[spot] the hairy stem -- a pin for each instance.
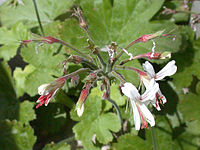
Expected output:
(73, 48)
(75, 73)
(118, 76)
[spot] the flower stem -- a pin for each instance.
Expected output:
(154, 138)
(38, 17)
(67, 140)
(118, 76)
(75, 73)
(75, 49)
(103, 64)
(118, 112)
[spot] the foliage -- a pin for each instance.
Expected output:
(24, 127)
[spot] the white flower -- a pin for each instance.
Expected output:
(168, 70)
(42, 89)
(138, 103)
(48, 91)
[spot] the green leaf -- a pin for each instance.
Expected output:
(94, 122)
(26, 112)
(48, 11)
(10, 39)
(59, 146)
(16, 135)
(186, 69)
(19, 76)
(130, 142)
(45, 65)
(188, 103)
(116, 96)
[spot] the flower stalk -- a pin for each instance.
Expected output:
(38, 17)
(154, 138)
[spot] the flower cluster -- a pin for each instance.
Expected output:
(152, 94)
(98, 70)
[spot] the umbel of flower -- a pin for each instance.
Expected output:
(138, 103)
(47, 91)
(150, 74)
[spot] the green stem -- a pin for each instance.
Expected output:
(38, 17)
(83, 61)
(73, 48)
(103, 64)
(118, 76)
(154, 138)
(75, 73)
(117, 67)
(67, 140)
(118, 111)
(187, 11)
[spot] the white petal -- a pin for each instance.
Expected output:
(149, 69)
(105, 49)
(168, 70)
(147, 114)
(136, 115)
(42, 89)
(130, 91)
(146, 81)
(80, 110)
(150, 92)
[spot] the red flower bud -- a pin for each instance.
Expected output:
(82, 98)
(46, 39)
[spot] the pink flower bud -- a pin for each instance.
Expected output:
(50, 40)
(82, 98)
(105, 95)
(46, 39)
(157, 55)
(75, 80)
(91, 77)
(26, 41)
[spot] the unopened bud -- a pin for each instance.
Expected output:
(40, 39)
(157, 55)
(91, 77)
(78, 13)
(75, 59)
(105, 95)
(146, 38)
(82, 98)
(75, 80)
